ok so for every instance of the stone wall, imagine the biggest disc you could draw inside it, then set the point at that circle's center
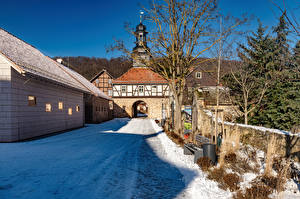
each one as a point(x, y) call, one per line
point(154, 106)
point(253, 135)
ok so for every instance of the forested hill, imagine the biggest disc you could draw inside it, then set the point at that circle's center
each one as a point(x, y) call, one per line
point(90, 66)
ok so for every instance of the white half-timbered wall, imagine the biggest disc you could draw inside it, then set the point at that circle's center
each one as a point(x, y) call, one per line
point(141, 90)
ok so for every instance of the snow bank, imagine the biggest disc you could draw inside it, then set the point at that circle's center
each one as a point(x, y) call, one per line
point(198, 186)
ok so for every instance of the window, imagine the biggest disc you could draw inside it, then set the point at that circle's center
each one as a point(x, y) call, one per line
point(31, 100)
point(198, 75)
point(70, 111)
point(77, 108)
point(109, 92)
point(111, 105)
point(123, 89)
point(109, 81)
point(97, 82)
point(141, 89)
point(154, 89)
point(60, 105)
point(48, 108)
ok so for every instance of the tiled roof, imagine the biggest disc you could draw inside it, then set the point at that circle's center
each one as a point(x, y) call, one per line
point(32, 61)
point(100, 73)
point(140, 76)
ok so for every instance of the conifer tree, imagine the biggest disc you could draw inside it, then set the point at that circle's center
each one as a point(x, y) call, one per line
point(252, 77)
point(281, 107)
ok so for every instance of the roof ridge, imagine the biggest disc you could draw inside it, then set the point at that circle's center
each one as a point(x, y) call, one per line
point(20, 39)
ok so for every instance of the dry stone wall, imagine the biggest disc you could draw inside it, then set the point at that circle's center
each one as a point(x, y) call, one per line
point(253, 135)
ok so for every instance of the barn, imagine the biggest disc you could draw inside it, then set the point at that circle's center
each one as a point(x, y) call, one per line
point(38, 95)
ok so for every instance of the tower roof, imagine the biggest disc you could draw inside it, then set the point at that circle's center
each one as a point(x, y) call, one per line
point(140, 27)
point(140, 76)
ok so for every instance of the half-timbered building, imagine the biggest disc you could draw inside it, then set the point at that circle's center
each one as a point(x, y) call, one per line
point(103, 81)
point(140, 91)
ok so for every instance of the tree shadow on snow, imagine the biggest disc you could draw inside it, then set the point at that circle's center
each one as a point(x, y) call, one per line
point(91, 165)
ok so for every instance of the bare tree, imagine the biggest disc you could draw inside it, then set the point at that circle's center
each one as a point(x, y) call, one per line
point(182, 31)
point(289, 15)
point(247, 91)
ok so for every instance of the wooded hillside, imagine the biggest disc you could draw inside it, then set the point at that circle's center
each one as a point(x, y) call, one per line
point(90, 66)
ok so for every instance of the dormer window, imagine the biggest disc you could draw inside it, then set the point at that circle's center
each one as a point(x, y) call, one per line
point(198, 75)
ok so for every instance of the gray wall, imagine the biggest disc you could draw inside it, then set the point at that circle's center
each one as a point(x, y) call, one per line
point(5, 101)
point(22, 121)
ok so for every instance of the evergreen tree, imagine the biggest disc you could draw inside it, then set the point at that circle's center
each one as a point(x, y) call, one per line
point(281, 107)
point(297, 54)
point(252, 77)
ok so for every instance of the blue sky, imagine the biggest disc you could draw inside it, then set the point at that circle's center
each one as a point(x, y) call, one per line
point(85, 28)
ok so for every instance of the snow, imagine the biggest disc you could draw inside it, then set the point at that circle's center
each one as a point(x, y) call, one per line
point(121, 158)
point(259, 128)
point(197, 185)
point(118, 159)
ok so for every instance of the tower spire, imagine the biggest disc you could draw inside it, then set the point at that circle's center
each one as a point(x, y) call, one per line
point(141, 16)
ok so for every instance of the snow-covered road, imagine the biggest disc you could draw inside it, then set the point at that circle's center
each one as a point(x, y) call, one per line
point(118, 159)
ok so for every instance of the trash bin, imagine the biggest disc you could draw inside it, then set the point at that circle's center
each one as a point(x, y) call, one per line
point(209, 150)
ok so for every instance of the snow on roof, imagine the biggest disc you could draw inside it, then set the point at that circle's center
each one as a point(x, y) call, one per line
point(82, 80)
point(32, 61)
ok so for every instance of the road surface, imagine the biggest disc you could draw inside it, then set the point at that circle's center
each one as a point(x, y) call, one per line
point(116, 159)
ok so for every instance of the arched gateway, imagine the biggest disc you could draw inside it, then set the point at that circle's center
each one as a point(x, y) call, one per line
point(139, 109)
point(140, 90)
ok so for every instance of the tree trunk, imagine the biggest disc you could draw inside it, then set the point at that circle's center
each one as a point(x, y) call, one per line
point(177, 115)
point(246, 111)
point(194, 115)
point(178, 98)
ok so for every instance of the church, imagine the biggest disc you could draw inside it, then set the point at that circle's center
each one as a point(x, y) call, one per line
point(140, 91)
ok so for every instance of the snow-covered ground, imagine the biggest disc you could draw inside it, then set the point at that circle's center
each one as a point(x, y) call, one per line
point(118, 159)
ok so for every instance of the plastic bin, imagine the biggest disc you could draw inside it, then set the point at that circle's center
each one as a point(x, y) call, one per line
point(209, 150)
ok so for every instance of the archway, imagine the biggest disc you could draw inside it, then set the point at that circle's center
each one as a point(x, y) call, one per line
point(139, 109)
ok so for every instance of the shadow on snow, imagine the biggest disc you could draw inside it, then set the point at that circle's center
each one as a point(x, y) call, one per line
point(88, 163)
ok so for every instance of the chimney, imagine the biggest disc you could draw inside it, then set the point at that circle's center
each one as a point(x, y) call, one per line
point(59, 60)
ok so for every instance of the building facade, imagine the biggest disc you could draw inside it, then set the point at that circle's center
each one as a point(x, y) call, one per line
point(38, 95)
point(103, 81)
point(140, 91)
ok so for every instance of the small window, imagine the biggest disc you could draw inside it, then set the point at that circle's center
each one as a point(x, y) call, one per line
point(60, 105)
point(31, 100)
point(109, 81)
point(70, 111)
point(109, 92)
point(154, 89)
point(111, 105)
point(48, 108)
point(123, 89)
point(77, 108)
point(198, 75)
point(141, 89)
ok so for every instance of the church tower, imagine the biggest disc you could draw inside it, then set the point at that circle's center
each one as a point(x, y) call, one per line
point(139, 53)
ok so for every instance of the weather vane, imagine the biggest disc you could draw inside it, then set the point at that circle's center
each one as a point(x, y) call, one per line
point(141, 16)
